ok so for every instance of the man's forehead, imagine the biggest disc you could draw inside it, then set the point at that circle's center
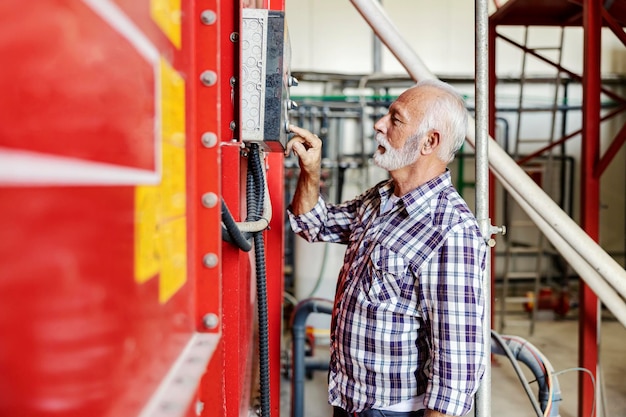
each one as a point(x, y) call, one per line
point(409, 101)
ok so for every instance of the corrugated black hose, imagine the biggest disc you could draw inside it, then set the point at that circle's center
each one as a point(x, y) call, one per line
point(255, 196)
point(231, 233)
point(255, 200)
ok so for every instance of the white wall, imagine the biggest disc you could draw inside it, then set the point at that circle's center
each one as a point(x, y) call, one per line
point(330, 35)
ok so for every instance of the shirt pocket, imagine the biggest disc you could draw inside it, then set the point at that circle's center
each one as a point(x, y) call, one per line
point(388, 271)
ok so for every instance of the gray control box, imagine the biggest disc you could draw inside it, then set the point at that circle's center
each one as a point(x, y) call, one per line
point(265, 78)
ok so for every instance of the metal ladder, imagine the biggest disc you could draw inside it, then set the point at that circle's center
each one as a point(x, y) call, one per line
point(523, 239)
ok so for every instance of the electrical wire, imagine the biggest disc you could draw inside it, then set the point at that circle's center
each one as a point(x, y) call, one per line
point(543, 361)
point(593, 383)
point(533, 401)
point(550, 386)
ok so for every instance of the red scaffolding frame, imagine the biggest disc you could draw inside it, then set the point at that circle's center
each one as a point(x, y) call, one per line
point(591, 15)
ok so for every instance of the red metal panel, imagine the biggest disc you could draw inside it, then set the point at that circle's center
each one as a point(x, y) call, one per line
point(590, 196)
point(63, 96)
point(81, 335)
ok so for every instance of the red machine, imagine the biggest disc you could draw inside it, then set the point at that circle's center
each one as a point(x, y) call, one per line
point(119, 137)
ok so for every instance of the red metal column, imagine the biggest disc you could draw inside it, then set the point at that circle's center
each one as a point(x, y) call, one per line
point(209, 22)
point(590, 195)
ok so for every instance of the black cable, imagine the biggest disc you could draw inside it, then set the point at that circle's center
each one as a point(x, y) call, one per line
point(231, 233)
point(264, 377)
point(255, 201)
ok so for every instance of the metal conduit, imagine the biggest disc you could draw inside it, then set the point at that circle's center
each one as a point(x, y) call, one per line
point(597, 268)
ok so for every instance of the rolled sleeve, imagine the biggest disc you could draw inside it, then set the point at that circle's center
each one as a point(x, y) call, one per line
point(325, 222)
point(308, 225)
point(454, 300)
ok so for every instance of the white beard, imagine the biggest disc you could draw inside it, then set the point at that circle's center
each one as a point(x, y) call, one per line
point(393, 159)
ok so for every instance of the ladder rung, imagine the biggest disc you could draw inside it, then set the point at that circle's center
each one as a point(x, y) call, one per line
point(521, 275)
point(517, 299)
point(546, 48)
point(534, 110)
point(533, 168)
point(517, 322)
point(532, 140)
point(524, 249)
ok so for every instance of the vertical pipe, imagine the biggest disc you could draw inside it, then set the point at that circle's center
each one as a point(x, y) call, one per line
point(483, 396)
point(493, 81)
point(589, 197)
point(377, 57)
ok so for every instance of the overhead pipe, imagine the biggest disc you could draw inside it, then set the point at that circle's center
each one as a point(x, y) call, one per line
point(601, 265)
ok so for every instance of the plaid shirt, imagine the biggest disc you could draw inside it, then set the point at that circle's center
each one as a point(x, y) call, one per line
point(409, 304)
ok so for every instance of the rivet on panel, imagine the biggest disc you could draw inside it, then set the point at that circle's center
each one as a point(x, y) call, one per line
point(208, 78)
point(209, 200)
point(209, 139)
point(234, 37)
point(233, 125)
point(210, 260)
point(199, 407)
point(208, 17)
point(210, 321)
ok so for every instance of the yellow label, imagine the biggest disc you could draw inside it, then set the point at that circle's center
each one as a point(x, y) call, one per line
point(167, 14)
point(160, 210)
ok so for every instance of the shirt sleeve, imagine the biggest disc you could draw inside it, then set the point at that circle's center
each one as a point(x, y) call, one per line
point(454, 305)
point(325, 222)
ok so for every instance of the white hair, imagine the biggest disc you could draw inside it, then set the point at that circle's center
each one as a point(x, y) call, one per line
point(445, 113)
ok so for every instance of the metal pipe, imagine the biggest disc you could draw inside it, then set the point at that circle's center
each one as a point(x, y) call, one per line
point(377, 53)
point(483, 395)
point(298, 333)
point(375, 16)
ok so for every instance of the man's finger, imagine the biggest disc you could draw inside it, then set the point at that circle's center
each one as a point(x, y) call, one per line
point(309, 138)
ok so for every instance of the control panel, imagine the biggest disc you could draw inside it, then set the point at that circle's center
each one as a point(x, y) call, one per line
point(265, 78)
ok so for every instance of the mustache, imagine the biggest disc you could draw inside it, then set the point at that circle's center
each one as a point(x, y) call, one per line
point(381, 139)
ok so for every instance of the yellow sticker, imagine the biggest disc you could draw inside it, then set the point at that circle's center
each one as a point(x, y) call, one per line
point(160, 210)
point(167, 15)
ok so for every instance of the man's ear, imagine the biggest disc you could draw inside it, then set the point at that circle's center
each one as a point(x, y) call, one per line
point(431, 142)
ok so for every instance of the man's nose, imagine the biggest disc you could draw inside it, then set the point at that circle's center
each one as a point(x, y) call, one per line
point(380, 125)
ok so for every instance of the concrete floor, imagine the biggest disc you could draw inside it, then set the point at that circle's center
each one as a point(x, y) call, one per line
point(557, 340)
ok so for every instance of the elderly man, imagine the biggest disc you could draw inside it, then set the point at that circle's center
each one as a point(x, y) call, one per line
point(407, 326)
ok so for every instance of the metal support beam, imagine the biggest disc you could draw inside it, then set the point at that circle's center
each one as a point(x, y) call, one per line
point(590, 196)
